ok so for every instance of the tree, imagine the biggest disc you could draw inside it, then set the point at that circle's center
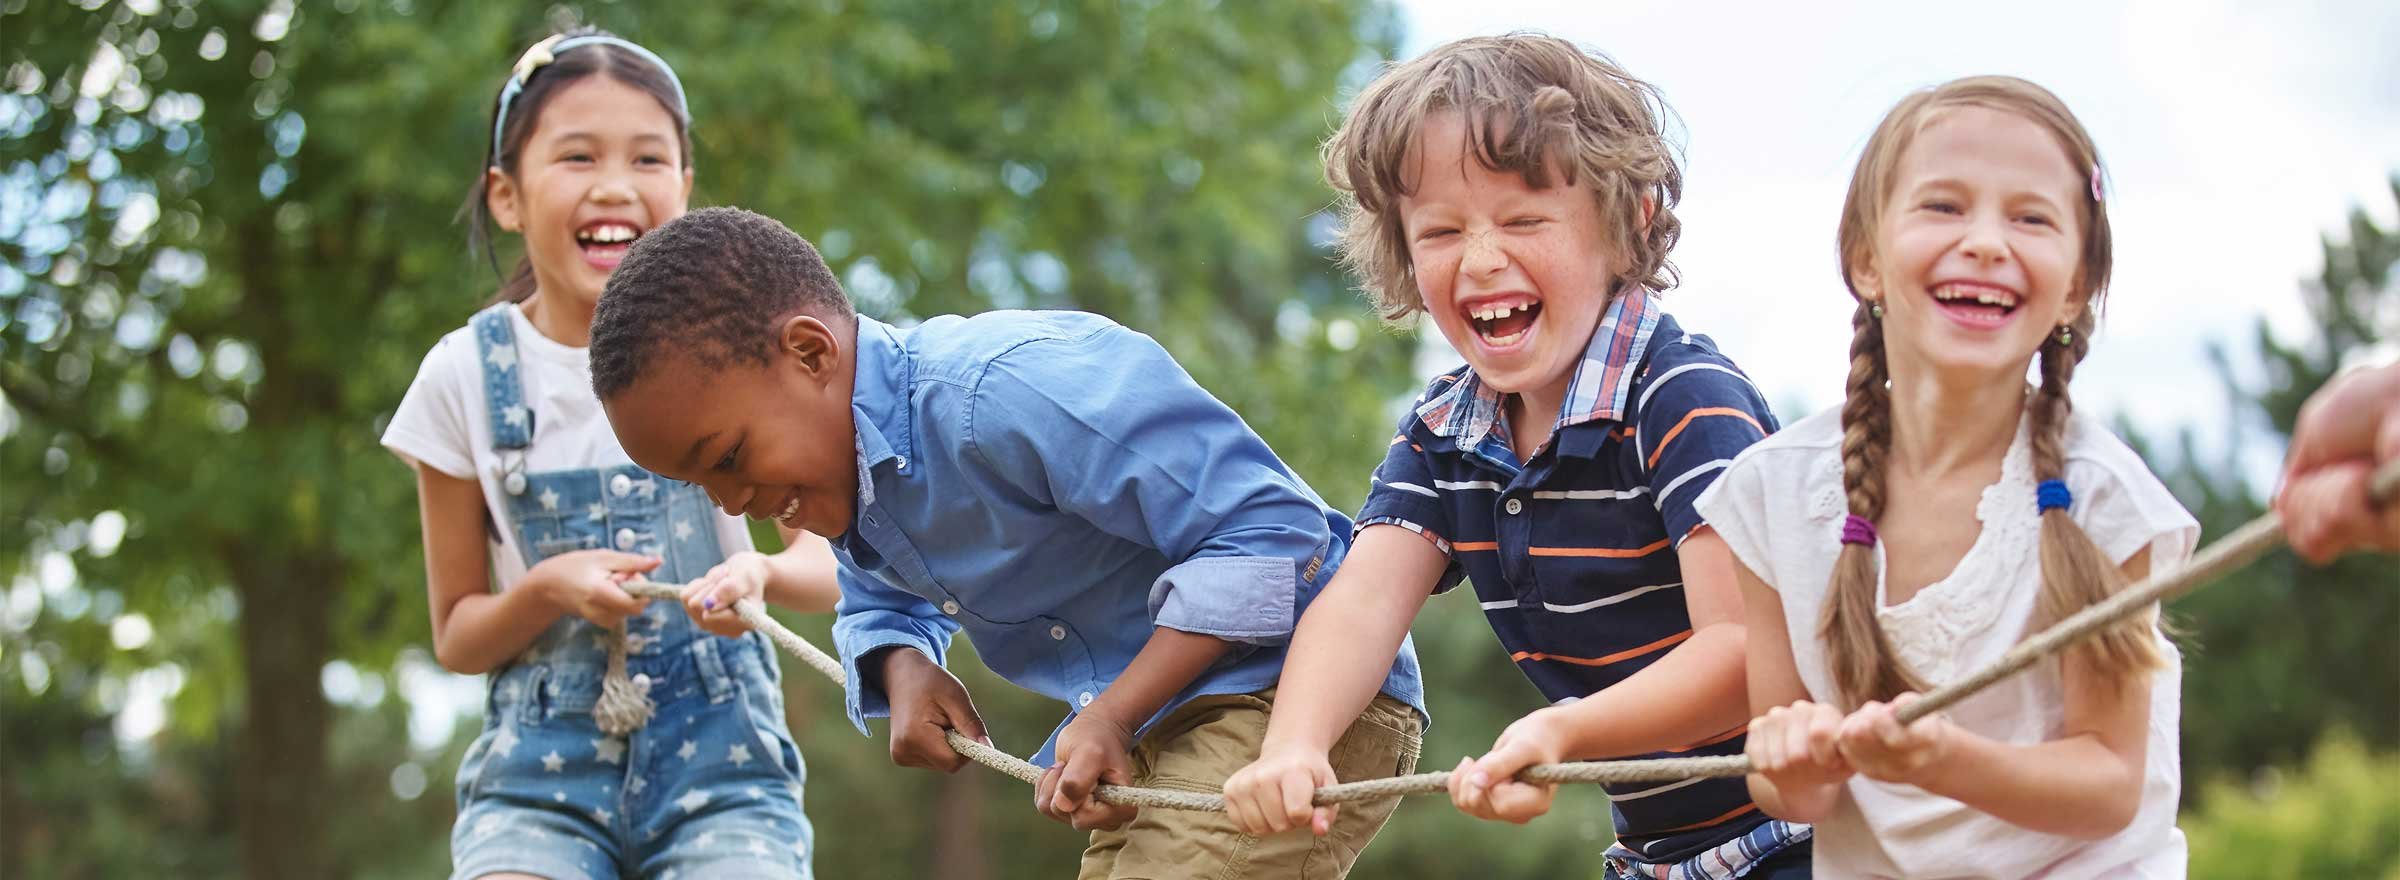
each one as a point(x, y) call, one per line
point(229, 242)
point(2282, 651)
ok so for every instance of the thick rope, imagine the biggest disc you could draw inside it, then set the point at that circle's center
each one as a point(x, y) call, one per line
point(625, 703)
point(2242, 547)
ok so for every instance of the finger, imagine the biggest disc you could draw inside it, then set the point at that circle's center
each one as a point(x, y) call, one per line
point(1824, 742)
point(1519, 802)
point(1240, 791)
point(630, 563)
point(1043, 792)
point(1465, 794)
point(1075, 780)
point(1506, 761)
point(1291, 808)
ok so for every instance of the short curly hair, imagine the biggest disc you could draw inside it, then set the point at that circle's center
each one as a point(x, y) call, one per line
point(712, 285)
point(1534, 105)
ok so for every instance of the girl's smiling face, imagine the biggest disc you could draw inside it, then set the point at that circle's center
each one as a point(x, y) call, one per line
point(602, 165)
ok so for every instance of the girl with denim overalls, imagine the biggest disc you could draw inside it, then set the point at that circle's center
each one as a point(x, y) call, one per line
point(620, 738)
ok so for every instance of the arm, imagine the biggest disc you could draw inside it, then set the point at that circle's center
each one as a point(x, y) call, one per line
point(476, 630)
point(1792, 744)
point(805, 578)
point(1338, 660)
point(2087, 783)
point(1694, 692)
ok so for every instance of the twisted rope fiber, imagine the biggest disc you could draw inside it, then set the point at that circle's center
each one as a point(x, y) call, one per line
point(2242, 547)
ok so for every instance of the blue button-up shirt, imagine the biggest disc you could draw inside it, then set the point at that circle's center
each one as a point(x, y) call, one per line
point(1057, 486)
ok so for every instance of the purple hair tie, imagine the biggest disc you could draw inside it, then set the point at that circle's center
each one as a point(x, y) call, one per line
point(2052, 495)
point(1857, 530)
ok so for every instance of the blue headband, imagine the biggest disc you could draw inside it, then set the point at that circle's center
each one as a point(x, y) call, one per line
point(547, 51)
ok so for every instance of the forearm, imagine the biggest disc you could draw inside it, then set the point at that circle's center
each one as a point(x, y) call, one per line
point(802, 577)
point(1696, 692)
point(1802, 807)
point(2075, 786)
point(1165, 666)
point(481, 631)
point(1339, 656)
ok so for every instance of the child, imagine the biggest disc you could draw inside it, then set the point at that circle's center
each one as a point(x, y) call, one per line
point(1054, 484)
point(1928, 524)
point(1518, 190)
point(522, 484)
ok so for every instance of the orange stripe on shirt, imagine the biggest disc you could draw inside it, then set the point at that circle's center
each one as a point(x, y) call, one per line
point(1687, 419)
point(1476, 545)
point(1738, 731)
point(1628, 654)
point(1720, 820)
point(1603, 552)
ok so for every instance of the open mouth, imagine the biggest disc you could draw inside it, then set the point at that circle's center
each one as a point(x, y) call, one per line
point(1503, 323)
point(604, 242)
point(791, 509)
point(1976, 303)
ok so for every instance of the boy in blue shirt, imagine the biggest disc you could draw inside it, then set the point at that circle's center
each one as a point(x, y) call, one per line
point(1518, 190)
point(1109, 534)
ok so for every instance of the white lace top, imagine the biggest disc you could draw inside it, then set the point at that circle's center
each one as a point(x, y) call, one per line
point(1780, 508)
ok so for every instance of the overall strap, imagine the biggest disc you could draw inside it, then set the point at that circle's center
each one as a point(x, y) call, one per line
point(503, 389)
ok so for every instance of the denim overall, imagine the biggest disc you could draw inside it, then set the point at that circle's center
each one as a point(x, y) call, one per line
point(711, 785)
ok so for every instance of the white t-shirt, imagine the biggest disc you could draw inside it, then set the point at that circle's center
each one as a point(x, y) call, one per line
point(1780, 507)
point(443, 423)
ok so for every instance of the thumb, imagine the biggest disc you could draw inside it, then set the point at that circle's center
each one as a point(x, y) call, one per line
point(1321, 822)
point(634, 563)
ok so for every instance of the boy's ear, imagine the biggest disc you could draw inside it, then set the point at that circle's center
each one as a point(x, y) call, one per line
point(500, 198)
point(1649, 209)
point(812, 345)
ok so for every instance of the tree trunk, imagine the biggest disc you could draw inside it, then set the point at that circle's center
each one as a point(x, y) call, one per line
point(959, 850)
point(280, 811)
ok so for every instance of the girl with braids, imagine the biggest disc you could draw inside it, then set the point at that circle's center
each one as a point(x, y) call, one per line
point(1944, 511)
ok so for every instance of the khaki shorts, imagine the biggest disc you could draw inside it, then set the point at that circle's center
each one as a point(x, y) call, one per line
point(1204, 742)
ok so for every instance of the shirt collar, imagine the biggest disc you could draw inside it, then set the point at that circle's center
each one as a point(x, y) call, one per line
point(1468, 410)
point(879, 400)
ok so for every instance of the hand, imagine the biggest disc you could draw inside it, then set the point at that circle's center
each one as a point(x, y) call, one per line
point(927, 701)
point(710, 598)
point(1798, 749)
point(2344, 431)
point(1487, 787)
point(1875, 744)
point(1272, 795)
point(588, 584)
point(1093, 749)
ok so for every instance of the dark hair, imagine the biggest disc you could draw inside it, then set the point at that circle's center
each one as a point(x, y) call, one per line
point(540, 86)
point(714, 285)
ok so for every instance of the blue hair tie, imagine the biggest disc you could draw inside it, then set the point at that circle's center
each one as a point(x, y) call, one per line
point(2053, 495)
point(548, 50)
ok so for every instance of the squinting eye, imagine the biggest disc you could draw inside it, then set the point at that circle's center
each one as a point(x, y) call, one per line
point(1431, 234)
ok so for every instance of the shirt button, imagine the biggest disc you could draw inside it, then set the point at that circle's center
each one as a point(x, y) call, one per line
point(621, 484)
point(514, 483)
point(1058, 633)
point(1513, 507)
point(1083, 699)
point(625, 539)
point(950, 608)
point(900, 461)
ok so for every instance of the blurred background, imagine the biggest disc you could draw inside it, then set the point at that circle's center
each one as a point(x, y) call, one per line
point(229, 238)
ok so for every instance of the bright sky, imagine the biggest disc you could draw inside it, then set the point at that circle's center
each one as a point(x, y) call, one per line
point(2234, 135)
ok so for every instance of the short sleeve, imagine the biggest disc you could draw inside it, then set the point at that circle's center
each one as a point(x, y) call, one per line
point(1695, 414)
point(433, 425)
point(1735, 506)
point(2121, 505)
point(1401, 493)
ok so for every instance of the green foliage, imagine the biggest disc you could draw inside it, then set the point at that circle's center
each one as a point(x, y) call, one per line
point(2337, 815)
point(2282, 649)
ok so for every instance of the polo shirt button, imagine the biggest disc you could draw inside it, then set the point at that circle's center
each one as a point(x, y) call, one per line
point(950, 608)
point(1083, 699)
point(1514, 507)
point(625, 539)
point(621, 484)
point(1058, 633)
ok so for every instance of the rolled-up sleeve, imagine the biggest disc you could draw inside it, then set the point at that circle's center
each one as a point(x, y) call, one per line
point(1106, 426)
point(871, 616)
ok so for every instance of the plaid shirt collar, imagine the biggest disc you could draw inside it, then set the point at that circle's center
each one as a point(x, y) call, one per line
point(1468, 411)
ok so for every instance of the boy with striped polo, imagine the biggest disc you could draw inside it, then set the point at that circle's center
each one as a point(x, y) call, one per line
point(1518, 190)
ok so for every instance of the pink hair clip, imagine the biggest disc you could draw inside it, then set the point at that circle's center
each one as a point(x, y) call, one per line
point(2095, 183)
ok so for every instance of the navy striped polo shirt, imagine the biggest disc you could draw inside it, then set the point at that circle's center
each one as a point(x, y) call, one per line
point(1572, 554)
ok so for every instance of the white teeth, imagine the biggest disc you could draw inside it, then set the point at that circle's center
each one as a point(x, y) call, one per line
point(1495, 314)
point(610, 234)
point(1501, 341)
point(789, 508)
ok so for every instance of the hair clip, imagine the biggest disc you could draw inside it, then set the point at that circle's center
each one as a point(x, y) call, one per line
point(2095, 183)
